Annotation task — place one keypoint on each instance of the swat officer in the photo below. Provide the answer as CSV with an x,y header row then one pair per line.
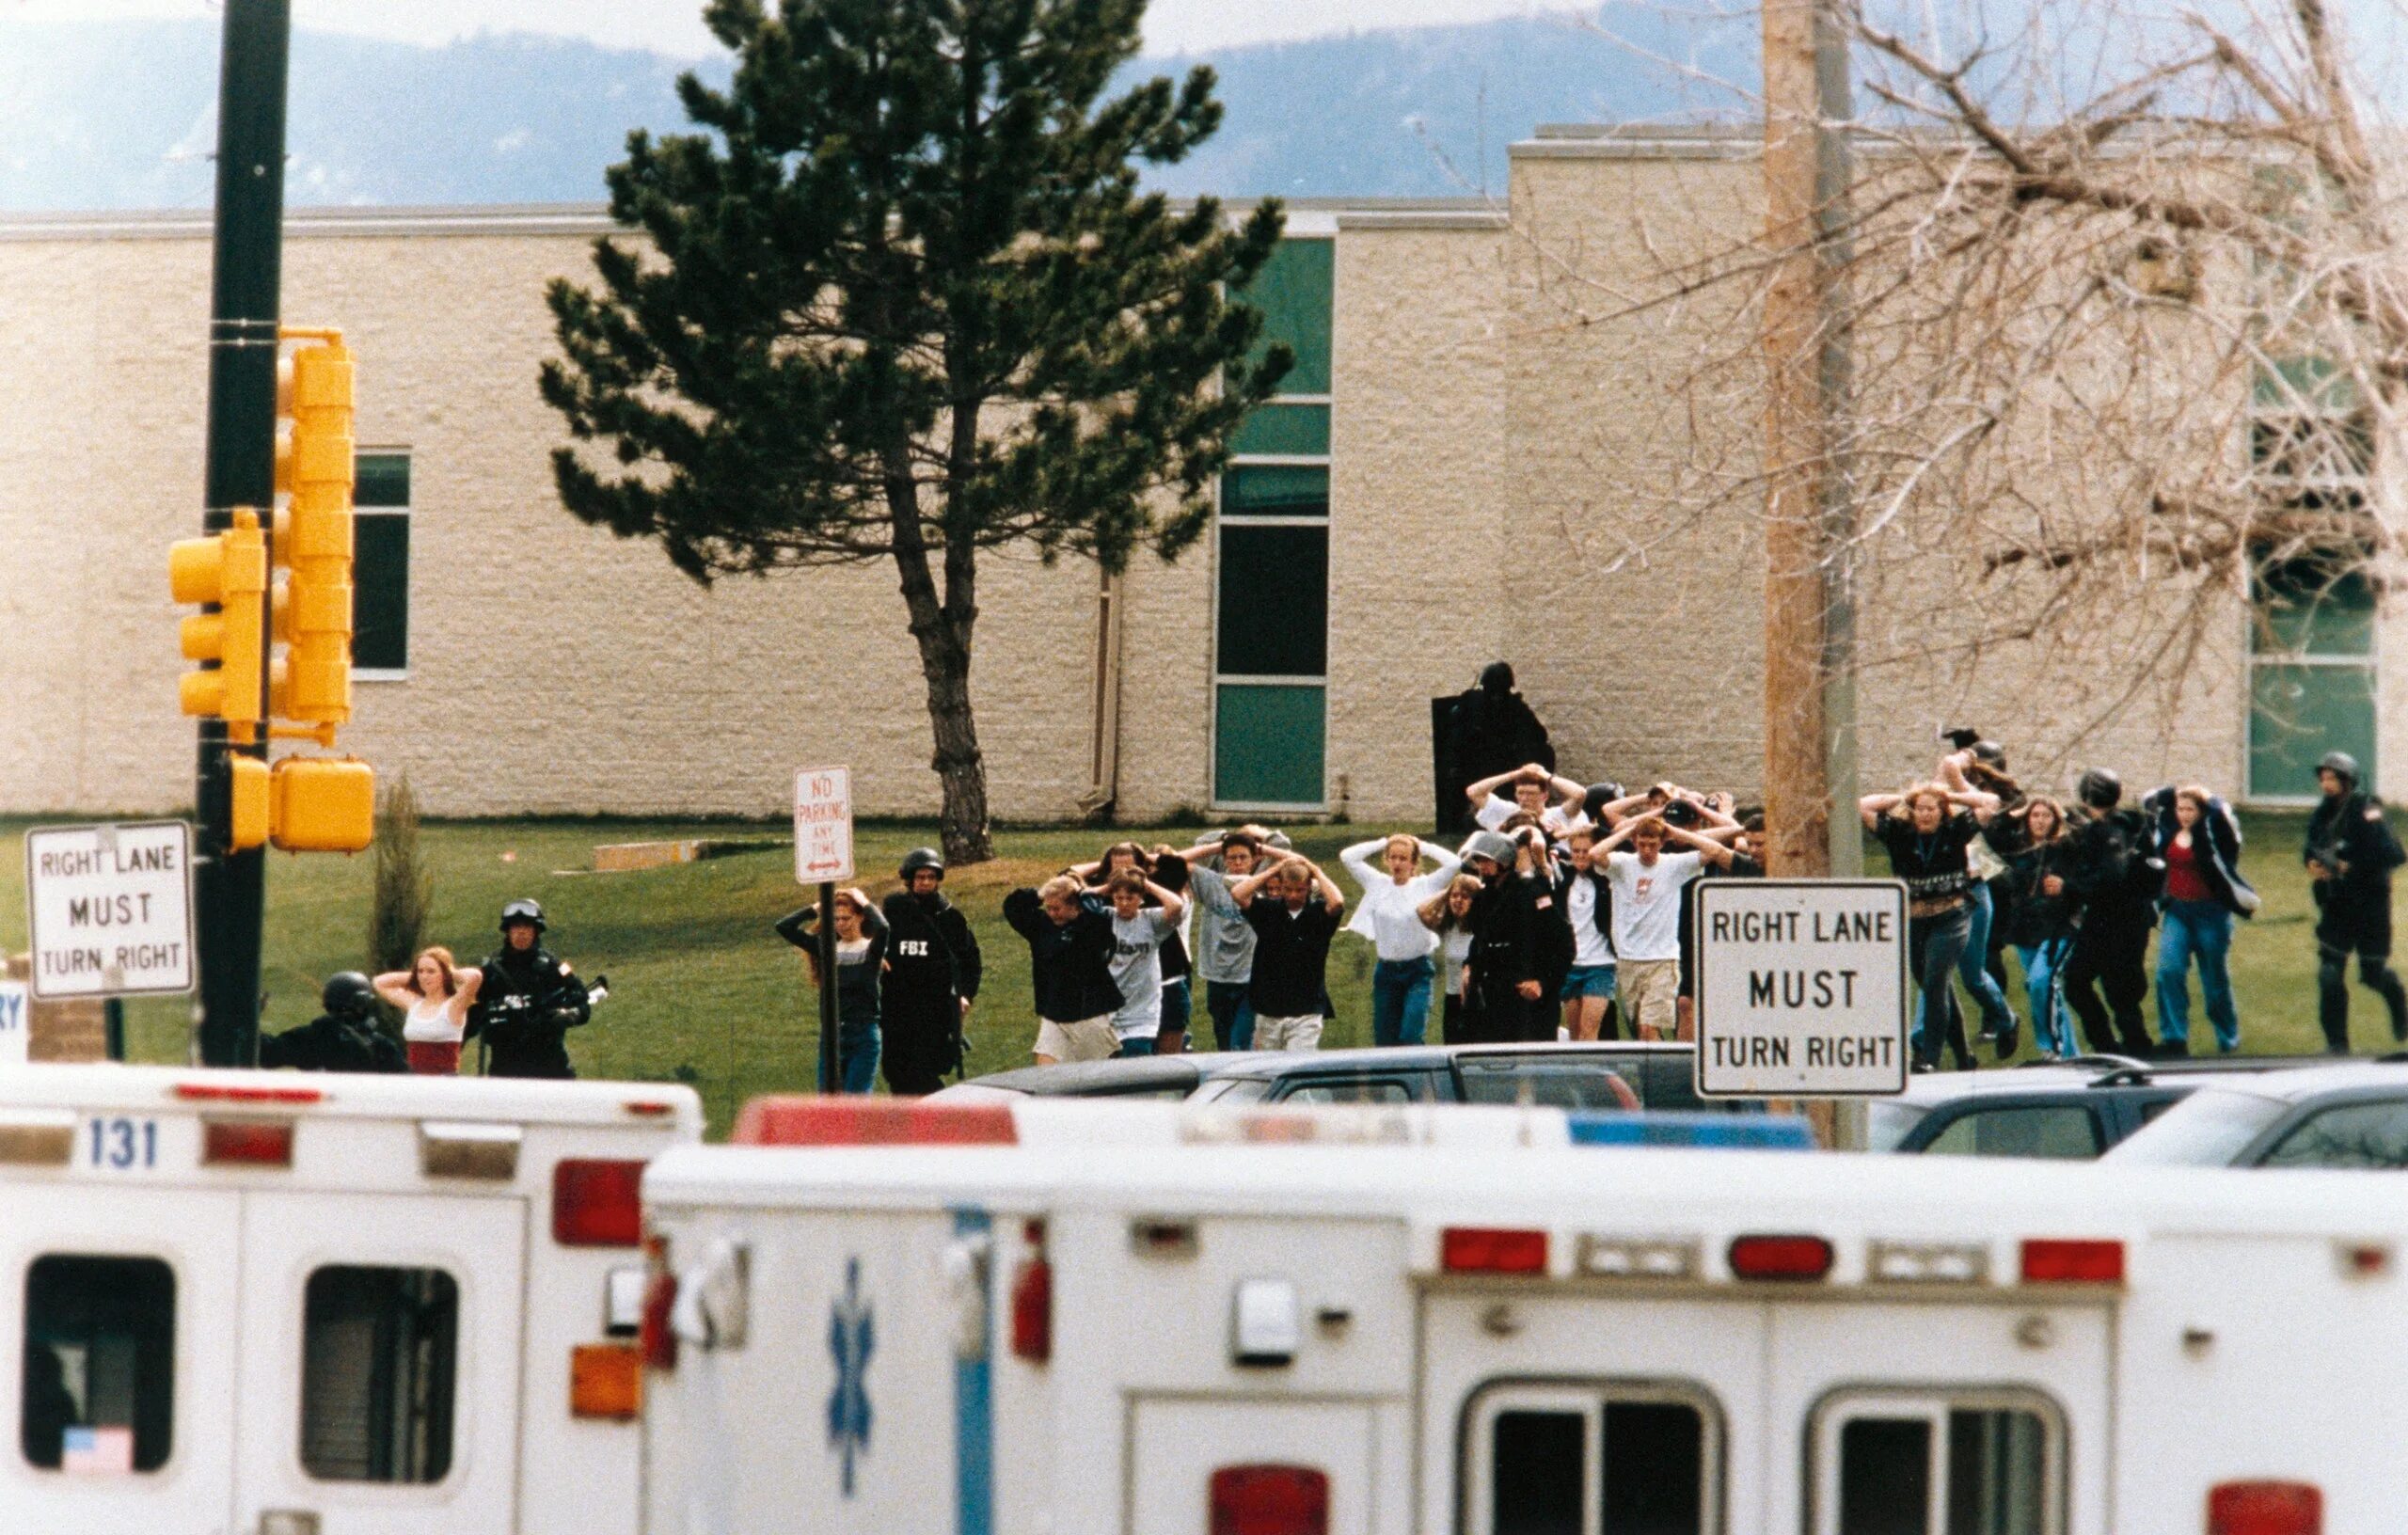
x,y
344,1038
2349,854
933,973
529,1001
2115,880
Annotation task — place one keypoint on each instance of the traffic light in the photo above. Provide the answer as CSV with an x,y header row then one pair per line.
x,y
313,466
229,569
324,805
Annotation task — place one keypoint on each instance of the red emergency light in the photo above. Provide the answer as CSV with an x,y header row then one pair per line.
x,y
212,1092
247,1143
2049,1260
1481,1249
796,1119
2266,1508
596,1202
1269,1500
1792,1259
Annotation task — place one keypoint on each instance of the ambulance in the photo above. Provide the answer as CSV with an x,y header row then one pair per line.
x,y
242,1303
992,1319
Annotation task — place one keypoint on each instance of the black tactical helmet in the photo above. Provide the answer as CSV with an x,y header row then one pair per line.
x,y
1597,796
2341,763
530,912
1493,845
348,994
1989,752
918,859
2099,789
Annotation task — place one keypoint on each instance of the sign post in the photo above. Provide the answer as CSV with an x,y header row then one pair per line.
x,y
110,909
823,854
1801,987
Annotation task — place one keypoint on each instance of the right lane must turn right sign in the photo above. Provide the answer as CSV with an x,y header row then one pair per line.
x,y
1801,987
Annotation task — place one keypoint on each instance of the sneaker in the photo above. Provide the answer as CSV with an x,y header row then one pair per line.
x,y
2007,1039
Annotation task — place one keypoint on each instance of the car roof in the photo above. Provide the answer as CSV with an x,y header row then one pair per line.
x,y
1162,1072
2301,1083
2099,1073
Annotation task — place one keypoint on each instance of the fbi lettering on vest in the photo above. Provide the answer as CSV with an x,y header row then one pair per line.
x,y
1801,987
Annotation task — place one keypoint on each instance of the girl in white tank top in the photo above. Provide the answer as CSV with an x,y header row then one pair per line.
x,y
434,997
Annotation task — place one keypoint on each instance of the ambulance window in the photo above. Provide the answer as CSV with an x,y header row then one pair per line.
x,y
377,1352
99,1391
1571,1460
2061,1131
1933,1468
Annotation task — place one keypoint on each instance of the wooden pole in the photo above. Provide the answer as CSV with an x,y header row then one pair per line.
x,y
1810,738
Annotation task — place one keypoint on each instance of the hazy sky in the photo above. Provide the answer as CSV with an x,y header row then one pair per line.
x,y
675,26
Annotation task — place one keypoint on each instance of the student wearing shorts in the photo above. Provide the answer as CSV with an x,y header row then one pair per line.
x,y
1069,952
1646,884
1144,916
1292,927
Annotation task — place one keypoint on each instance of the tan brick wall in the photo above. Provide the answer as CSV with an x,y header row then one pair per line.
x,y
1416,519
1512,457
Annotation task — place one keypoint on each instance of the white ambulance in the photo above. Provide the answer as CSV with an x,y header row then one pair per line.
x,y
242,1303
1470,1321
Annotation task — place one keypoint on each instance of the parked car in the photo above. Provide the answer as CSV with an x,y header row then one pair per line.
x,y
1591,1076
2075,1109
2342,1115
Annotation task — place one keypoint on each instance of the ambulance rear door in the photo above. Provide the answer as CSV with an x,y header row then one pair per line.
x,y
113,1307
379,1380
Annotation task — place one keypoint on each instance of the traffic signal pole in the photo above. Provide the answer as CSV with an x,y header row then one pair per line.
x,y
231,888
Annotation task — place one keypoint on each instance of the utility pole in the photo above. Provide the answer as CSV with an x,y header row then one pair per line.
x,y
1809,688
230,889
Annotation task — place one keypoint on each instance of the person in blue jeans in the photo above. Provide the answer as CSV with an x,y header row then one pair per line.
x,y
861,959
1394,891
2038,913
2199,838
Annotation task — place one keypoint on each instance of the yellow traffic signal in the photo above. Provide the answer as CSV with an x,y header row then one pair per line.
x,y
250,793
313,465
324,805
229,569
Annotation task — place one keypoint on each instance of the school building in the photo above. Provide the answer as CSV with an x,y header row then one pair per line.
x,y
1463,467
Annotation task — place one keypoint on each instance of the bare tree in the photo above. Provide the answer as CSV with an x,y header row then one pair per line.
x,y
2129,334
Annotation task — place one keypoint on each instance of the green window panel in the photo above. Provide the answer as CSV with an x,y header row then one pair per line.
x,y
1268,745
380,591
1274,601
2304,607
2309,382
1292,291
381,479
1285,431
1276,490
2297,714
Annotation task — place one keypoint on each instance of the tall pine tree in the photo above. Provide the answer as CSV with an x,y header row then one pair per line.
x,y
903,299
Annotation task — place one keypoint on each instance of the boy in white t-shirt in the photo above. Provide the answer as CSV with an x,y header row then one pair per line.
x,y
1556,801
1138,931
1647,920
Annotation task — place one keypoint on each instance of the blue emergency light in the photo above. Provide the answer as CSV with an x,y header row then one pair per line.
x,y
1739,1131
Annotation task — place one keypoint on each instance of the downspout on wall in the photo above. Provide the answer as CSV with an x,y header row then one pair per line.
x,y
1104,734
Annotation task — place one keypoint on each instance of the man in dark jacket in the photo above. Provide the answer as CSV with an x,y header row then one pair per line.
x,y
529,1001
933,969
2349,854
1522,943
2109,877
1486,728
344,1038
1069,954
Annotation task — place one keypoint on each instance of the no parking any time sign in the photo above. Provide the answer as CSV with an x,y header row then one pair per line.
x,y
1801,987
110,909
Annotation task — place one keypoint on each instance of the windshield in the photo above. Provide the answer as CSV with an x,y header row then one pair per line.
x,y
1887,1123
2206,1129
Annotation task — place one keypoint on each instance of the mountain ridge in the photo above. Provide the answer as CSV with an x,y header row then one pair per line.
x,y
119,115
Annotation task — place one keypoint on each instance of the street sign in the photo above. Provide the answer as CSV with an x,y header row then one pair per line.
x,y
16,1023
110,909
1801,987
823,825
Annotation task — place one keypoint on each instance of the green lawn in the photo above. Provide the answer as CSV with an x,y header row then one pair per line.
x,y
703,992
